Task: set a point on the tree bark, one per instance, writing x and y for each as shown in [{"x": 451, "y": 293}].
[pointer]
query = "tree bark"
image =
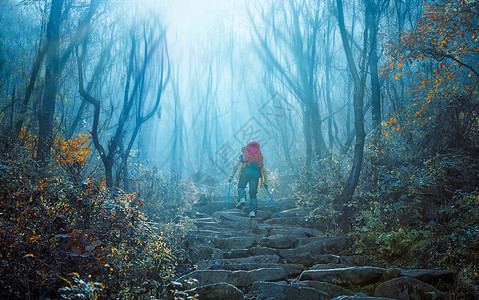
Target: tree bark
[
  {"x": 371, "y": 11},
  {"x": 358, "y": 92},
  {"x": 52, "y": 75}
]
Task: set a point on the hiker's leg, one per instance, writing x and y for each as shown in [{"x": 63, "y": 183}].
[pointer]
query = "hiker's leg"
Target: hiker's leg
[
  {"x": 243, "y": 180},
  {"x": 253, "y": 190}
]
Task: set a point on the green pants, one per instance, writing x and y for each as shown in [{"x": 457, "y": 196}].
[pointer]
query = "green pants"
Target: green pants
[{"x": 251, "y": 177}]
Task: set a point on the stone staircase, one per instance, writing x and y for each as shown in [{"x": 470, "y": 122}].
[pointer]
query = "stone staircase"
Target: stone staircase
[{"x": 269, "y": 257}]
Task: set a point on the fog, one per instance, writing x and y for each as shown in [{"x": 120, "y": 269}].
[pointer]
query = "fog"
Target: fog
[
  {"x": 183, "y": 85},
  {"x": 217, "y": 100}
]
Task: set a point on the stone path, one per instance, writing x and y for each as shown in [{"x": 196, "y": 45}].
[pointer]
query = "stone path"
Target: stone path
[{"x": 268, "y": 257}]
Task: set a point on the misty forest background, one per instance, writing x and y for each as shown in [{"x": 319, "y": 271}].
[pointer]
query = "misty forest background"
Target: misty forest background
[{"x": 118, "y": 115}]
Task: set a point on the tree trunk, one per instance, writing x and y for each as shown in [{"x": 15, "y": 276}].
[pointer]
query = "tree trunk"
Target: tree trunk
[
  {"x": 52, "y": 75},
  {"x": 353, "y": 178},
  {"x": 327, "y": 55},
  {"x": 371, "y": 11}
]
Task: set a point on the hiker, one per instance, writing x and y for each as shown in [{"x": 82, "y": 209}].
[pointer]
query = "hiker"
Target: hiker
[{"x": 252, "y": 169}]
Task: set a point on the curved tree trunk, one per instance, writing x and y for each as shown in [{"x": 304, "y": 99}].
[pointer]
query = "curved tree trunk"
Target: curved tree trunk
[{"x": 353, "y": 178}]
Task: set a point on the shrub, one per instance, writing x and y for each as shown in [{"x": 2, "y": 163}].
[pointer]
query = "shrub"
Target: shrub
[{"x": 52, "y": 227}]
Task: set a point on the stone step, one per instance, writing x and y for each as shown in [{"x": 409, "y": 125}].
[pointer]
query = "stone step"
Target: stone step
[
  {"x": 209, "y": 224},
  {"x": 240, "y": 253},
  {"x": 262, "y": 290},
  {"x": 331, "y": 289},
  {"x": 240, "y": 279},
  {"x": 348, "y": 276},
  {"x": 292, "y": 270},
  {"x": 257, "y": 259},
  {"x": 273, "y": 257},
  {"x": 219, "y": 204}
]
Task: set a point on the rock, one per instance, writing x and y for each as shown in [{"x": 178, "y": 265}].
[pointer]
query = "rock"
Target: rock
[
  {"x": 237, "y": 253},
  {"x": 197, "y": 238},
  {"x": 259, "y": 259},
  {"x": 247, "y": 278},
  {"x": 405, "y": 288},
  {"x": 227, "y": 244},
  {"x": 309, "y": 240},
  {"x": 210, "y": 208},
  {"x": 331, "y": 289},
  {"x": 326, "y": 259},
  {"x": 292, "y": 270},
  {"x": 224, "y": 232},
  {"x": 438, "y": 278},
  {"x": 253, "y": 251},
  {"x": 282, "y": 291},
  {"x": 360, "y": 297},
  {"x": 280, "y": 241},
  {"x": 262, "y": 251},
  {"x": 200, "y": 222},
  {"x": 222, "y": 216},
  {"x": 353, "y": 260},
  {"x": 206, "y": 277},
  {"x": 282, "y": 204},
  {"x": 219, "y": 291},
  {"x": 284, "y": 220},
  {"x": 307, "y": 259},
  {"x": 294, "y": 258},
  {"x": 201, "y": 252},
  {"x": 325, "y": 245},
  {"x": 294, "y": 212},
  {"x": 327, "y": 266},
  {"x": 236, "y": 278},
  {"x": 345, "y": 276},
  {"x": 299, "y": 232}
]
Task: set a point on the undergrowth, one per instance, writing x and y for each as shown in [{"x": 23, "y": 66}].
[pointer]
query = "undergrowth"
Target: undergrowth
[
  {"x": 73, "y": 239},
  {"x": 417, "y": 202}
]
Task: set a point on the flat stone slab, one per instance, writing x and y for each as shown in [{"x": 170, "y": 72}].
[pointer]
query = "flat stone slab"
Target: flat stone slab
[
  {"x": 258, "y": 259},
  {"x": 205, "y": 252},
  {"x": 299, "y": 232},
  {"x": 345, "y": 276},
  {"x": 361, "y": 297},
  {"x": 325, "y": 245},
  {"x": 433, "y": 277},
  {"x": 253, "y": 251},
  {"x": 219, "y": 291},
  {"x": 236, "y": 278},
  {"x": 309, "y": 260},
  {"x": 291, "y": 269},
  {"x": 331, "y": 289},
  {"x": 227, "y": 244},
  {"x": 279, "y": 241},
  {"x": 409, "y": 288},
  {"x": 283, "y": 291}
]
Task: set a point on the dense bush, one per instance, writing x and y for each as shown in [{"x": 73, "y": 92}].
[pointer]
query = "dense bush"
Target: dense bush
[
  {"x": 419, "y": 196},
  {"x": 316, "y": 190},
  {"x": 416, "y": 205},
  {"x": 61, "y": 238}
]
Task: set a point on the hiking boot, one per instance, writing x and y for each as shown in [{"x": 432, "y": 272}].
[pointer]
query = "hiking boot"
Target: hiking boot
[
  {"x": 252, "y": 214},
  {"x": 241, "y": 203}
]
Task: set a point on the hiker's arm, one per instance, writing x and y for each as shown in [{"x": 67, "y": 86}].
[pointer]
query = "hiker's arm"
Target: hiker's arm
[{"x": 234, "y": 170}]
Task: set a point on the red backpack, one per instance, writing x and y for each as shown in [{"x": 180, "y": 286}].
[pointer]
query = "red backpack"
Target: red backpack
[{"x": 252, "y": 156}]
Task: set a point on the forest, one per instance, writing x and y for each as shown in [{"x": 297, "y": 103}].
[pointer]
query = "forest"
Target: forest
[{"x": 121, "y": 122}]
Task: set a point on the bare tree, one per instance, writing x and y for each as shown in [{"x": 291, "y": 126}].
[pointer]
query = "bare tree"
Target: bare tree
[
  {"x": 133, "y": 90},
  {"x": 52, "y": 76},
  {"x": 359, "y": 81},
  {"x": 296, "y": 32}
]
